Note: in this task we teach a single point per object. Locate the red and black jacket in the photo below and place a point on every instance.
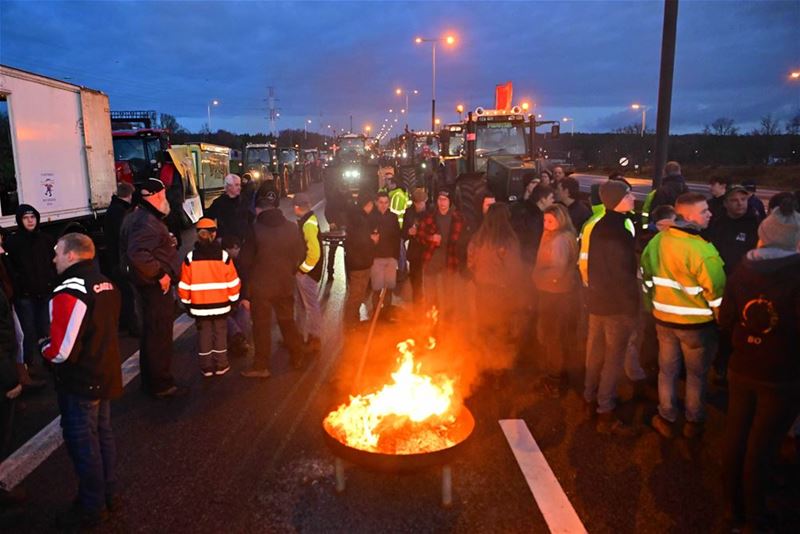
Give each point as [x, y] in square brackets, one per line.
[83, 343]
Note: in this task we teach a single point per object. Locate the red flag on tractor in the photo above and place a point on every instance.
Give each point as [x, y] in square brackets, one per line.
[502, 95]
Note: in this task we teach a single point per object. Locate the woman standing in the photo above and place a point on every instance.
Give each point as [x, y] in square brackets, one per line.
[555, 277]
[493, 257]
[761, 311]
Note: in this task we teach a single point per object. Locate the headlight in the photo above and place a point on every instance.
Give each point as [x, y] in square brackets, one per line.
[256, 174]
[424, 166]
[351, 174]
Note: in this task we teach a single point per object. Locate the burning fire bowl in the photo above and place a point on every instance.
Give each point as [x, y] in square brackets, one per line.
[459, 432]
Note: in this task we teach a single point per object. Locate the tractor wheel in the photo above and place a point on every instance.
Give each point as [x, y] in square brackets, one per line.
[408, 176]
[470, 189]
[285, 183]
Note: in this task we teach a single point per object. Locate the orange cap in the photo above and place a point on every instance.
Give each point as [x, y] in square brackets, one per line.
[206, 224]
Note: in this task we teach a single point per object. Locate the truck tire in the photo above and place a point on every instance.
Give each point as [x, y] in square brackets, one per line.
[470, 190]
[408, 177]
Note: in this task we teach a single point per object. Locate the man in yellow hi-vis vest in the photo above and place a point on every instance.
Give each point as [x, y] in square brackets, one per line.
[683, 280]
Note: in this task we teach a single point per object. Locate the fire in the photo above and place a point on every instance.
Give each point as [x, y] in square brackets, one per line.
[410, 415]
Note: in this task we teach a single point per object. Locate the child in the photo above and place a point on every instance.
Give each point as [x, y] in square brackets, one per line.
[239, 323]
[209, 286]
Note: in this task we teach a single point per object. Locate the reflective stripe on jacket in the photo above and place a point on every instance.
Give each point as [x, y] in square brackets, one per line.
[683, 278]
[309, 227]
[398, 202]
[648, 202]
[209, 282]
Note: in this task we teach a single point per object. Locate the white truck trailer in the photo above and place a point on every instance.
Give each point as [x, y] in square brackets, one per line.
[56, 152]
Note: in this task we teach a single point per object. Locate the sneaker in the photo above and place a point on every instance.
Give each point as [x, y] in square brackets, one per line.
[77, 517]
[220, 372]
[608, 423]
[692, 430]
[207, 373]
[256, 373]
[662, 426]
[171, 392]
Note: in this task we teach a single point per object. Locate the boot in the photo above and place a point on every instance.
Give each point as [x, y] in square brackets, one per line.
[25, 379]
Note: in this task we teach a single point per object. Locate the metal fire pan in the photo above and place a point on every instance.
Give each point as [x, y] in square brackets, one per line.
[404, 463]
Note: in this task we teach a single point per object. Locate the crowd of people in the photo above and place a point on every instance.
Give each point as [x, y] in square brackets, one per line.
[717, 279]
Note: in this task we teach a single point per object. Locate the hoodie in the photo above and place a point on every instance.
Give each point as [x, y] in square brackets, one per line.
[671, 188]
[30, 258]
[761, 313]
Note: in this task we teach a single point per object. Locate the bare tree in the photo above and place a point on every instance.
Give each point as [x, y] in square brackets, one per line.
[793, 125]
[769, 125]
[169, 122]
[721, 126]
[634, 128]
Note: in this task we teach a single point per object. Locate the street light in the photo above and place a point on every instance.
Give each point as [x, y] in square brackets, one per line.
[460, 111]
[400, 92]
[644, 114]
[305, 128]
[449, 40]
[571, 125]
[795, 75]
[525, 107]
[214, 102]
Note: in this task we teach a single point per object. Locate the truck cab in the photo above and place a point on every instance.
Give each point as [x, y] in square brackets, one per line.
[351, 167]
[260, 164]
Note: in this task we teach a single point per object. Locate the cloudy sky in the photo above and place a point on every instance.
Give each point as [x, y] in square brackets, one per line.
[328, 60]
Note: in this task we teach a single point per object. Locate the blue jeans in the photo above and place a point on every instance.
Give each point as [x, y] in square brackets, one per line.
[86, 426]
[34, 317]
[606, 345]
[697, 347]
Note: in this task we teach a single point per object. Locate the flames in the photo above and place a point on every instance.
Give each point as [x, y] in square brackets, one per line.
[411, 414]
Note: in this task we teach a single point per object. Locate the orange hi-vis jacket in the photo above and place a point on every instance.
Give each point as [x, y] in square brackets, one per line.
[209, 283]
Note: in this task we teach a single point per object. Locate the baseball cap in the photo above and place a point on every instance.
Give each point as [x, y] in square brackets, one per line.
[301, 200]
[732, 188]
[206, 224]
[151, 186]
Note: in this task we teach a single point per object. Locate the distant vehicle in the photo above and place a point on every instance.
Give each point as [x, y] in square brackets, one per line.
[260, 164]
[211, 163]
[56, 151]
[312, 165]
[354, 166]
[419, 159]
[292, 170]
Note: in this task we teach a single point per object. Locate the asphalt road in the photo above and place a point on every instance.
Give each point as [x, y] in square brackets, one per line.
[239, 455]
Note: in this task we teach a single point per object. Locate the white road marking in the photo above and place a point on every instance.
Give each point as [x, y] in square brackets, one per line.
[36, 450]
[553, 502]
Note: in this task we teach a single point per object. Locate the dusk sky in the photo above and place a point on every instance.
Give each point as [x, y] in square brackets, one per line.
[326, 60]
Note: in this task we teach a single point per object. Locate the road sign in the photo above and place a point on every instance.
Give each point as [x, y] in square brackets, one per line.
[623, 161]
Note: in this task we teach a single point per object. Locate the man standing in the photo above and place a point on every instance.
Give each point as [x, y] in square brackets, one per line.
[309, 273]
[529, 222]
[30, 261]
[151, 260]
[411, 220]
[270, 259]
[121, 205]
[567, 190]
[440, 234]
[558, 175]
[359, 251]
[386, 237]
[673, 185]
[717, 188]
[230, 210]
[735, 231]
[683, 281]
[83, 345]
[613, 303]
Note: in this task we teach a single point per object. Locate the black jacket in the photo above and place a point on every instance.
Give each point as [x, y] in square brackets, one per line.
[733, 237]
[112, 225]
[146, 248]
[671, 188]
[8, 348]
[84, 343]
[613, 286]
[271, 256]
[359, 250]
[761, 313]
[412, 218]
[579, 213]
[528, 222]
[388, 227]
[232, 215]
[30, 258]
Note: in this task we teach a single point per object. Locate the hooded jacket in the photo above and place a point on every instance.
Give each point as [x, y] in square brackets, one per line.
[209, 283]
[83, 342]
[555, 270]
[761, 313]
[271, 256]
[613, 286]
[359, 250]
[146, 249]
[112, 226]
[30, 259]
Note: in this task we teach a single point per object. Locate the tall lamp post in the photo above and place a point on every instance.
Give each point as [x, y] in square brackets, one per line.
[460, 111]
[571, 125]
[401, 92]
[644, 115]
[449, 40]
[213, 102]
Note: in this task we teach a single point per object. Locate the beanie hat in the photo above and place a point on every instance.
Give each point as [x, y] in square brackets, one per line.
[419, 195]
[612, 192]
[781, 229]
[301, 200]
[206, 224]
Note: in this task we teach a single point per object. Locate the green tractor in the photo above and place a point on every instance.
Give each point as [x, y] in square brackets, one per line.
[419, 159]
[354, 166]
